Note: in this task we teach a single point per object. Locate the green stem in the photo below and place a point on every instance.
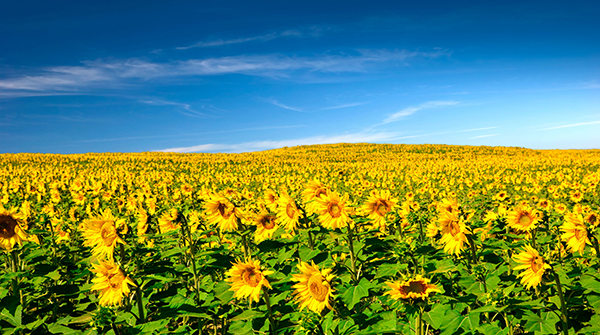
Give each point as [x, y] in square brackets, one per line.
[245, 243]
[473, 248]
[15, 269]
[563, 305]
[273, 326]
[419, 322]
[510, 329]
[140, 304]
[352, 256]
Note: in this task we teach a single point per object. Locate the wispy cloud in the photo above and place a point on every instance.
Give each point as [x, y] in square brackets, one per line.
[346, 105]
[116, 73]
[187, 109]
[265, 145]
[413, 109]
[259, 38]
[482, 136]
[572, 125]
[279, 104]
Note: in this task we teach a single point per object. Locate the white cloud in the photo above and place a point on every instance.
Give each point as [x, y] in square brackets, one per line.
[413, 109]
[482, 136]
[259, 38]
[186, 107]
[279, 104]
[116, 73]
[346, 105]
[265, 145]
[572, 125]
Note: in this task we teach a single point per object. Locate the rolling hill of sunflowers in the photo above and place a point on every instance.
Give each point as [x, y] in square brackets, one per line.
[330, 239]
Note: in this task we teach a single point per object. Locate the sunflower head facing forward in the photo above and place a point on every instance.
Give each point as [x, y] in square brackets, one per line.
[313, 289]
[534, 267]
[247, 279]
[11, 232]
[523, 218]
[416, 288]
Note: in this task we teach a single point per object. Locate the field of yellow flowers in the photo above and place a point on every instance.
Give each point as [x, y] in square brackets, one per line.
[328, 239]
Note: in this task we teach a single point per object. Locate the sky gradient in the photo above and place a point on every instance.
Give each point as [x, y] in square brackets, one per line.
[187, 76]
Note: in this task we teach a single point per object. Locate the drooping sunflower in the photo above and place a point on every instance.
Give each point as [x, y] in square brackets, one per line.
[101, 235]
[333, 210]
[288, 212]
[453, 230]
[11, 232]
[266, 226]
[416, 288]
[166, 222]
[523, 218]
[575, 232]
[377, 206]
[313, 192]
[111, 282]
[534, 267]
[313, 289]
[221, 212]
[247, 279]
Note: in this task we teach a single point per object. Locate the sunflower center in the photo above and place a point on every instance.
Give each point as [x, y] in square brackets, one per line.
[108, 233]
[251, 277]
[334, 210]
[524, 220]
[114, 280]
[415, 287]
[580, 233]
[454, 228]
[592, 219]
[537, 263]
[7, 226]
[290, 210]
[382, 208]
[223, 210]
[316, 287]
[268, 222]
[319, 192]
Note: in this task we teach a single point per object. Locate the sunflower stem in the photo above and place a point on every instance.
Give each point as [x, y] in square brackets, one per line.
[473, 248]
[419, 322]
[273, 326]
[15, 269]
[245, 244]
[140, 304]
[352, 257]
[563, 306]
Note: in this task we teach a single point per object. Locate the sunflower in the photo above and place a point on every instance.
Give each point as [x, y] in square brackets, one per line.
[313, 191]
[333, 211]
[247, 279]
[534, 267]
[417, 288]
[454, 232]
[270, 198]
[100, 233]
[447, 205]
[166, 221]
[575, 232]
[11, 232]
[592, 219]
[523, 218]
[111, 282]
[265, 226]
[377, 206]
[288, 212]
[221, 212]
[313, 289]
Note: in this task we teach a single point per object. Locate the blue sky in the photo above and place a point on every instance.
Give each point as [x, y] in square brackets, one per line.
[190, 76]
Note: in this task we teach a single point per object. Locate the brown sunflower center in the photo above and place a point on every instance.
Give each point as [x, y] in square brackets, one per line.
[317, 288]
[114, 280]
[290, 210]
[251, 277]
[223, 210]
[537, 263]
[334, 210]
[381, 207]
[7, 226]
[580, 233]
[592, 219]
[268, 221]
[108, 233]
[414, 286]
[454, 228]
[525, 220]
[319, 192]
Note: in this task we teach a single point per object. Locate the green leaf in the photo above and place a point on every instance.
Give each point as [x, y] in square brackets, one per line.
[14, 320]
[590, 283]
[60, 329]
[150, 327]
[544, 324]
[248, 314]
[387, 270]
[241, 327]
[436, 314]
[355, 293]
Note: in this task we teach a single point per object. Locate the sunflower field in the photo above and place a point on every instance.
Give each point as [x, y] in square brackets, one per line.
[328, 239]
